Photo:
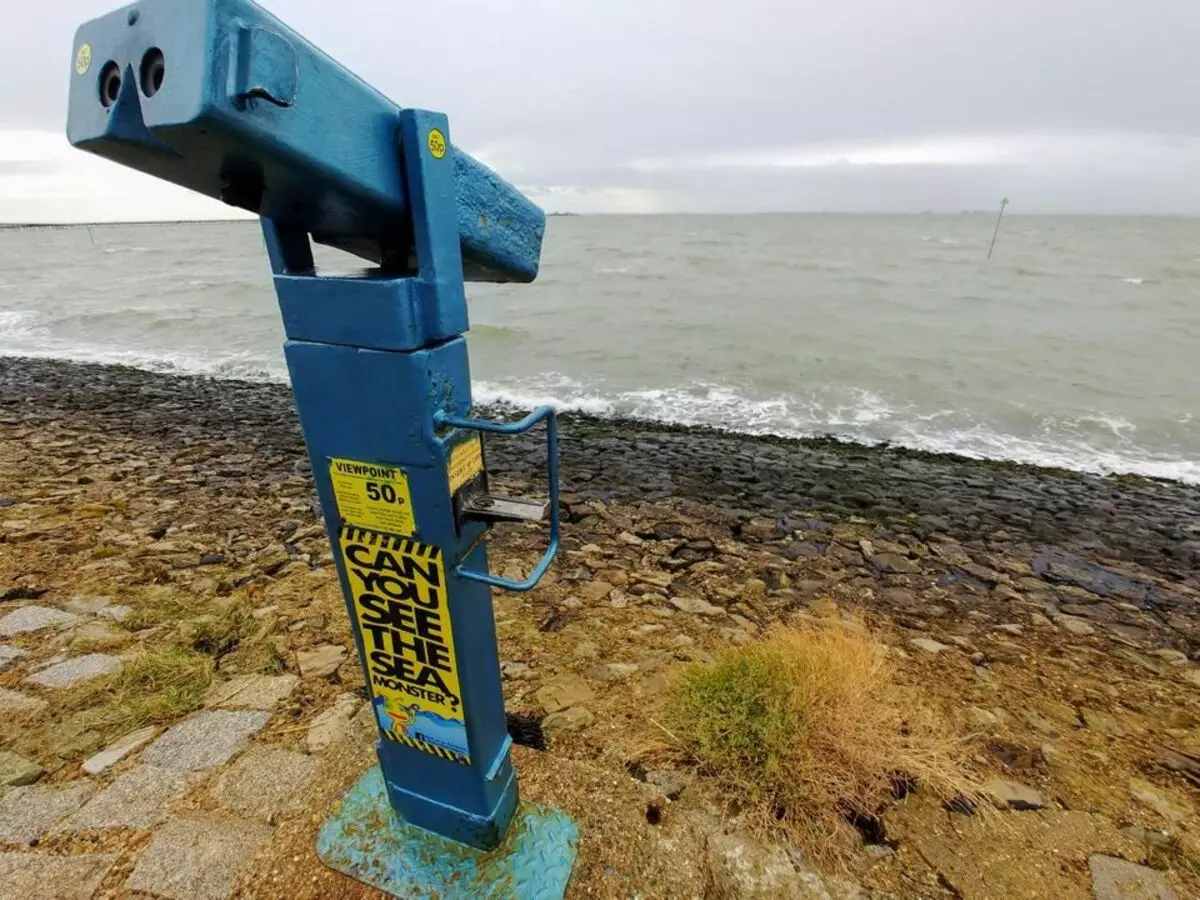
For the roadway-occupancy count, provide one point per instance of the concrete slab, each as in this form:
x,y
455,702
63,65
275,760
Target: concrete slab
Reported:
x,y
9,654
33,618
264,782
72,671
28,812
119,749
204,740
251,692
25,876
197,859
138,799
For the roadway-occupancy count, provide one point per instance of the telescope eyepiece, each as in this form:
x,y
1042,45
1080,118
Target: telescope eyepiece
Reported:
x,y
110,84
153,71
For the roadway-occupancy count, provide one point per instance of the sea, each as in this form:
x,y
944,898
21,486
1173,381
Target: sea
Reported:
x,y
1075,345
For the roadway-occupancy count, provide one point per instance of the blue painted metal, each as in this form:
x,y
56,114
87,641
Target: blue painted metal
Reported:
x,y
362,840
542,412
251,113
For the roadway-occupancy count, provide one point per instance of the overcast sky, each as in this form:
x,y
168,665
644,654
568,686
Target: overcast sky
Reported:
x,y
700,105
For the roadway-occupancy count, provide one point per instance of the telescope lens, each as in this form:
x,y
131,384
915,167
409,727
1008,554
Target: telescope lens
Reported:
x,y
110,84
154,70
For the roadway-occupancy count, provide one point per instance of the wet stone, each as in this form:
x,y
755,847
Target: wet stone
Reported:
x,y
196,859
27,812
204,740
264,782
119,749
138,799
24,876
72,671
33,618
251,692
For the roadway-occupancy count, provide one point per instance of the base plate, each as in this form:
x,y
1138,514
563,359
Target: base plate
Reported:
x,y
367,841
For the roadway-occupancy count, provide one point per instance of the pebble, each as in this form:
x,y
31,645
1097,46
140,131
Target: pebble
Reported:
x,y
1006,794
119,749
333,724
1076,626
669,781
563,692
929,645
595,591
572,719
320,662
696,606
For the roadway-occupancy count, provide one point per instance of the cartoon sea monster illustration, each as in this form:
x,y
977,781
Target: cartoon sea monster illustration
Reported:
x,y
393,718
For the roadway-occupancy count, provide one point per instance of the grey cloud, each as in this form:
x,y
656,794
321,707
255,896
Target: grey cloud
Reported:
x,y
572,93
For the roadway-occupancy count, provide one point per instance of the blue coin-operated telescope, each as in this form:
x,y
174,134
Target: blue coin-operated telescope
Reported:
x,y
221,97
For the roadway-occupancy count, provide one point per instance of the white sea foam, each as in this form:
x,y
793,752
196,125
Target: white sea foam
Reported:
x,y
860,416
17,325
1134,280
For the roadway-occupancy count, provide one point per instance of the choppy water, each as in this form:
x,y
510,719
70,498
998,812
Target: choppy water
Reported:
x,y
1075,346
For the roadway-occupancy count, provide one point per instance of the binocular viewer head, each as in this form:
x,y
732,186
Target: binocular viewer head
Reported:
x,y
221,97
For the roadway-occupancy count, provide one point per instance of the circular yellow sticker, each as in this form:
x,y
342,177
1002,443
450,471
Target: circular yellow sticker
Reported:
x,y
83,59
437,143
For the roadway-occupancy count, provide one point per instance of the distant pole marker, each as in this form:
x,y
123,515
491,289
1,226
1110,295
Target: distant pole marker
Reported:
x,y
996,231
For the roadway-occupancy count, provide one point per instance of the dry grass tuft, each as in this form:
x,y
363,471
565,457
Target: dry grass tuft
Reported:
x,y
808,731
155,687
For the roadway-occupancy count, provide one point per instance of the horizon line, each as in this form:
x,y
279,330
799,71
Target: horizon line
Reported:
x,y
9,226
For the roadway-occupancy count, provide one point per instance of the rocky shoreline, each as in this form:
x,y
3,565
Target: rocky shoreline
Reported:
x,y
1054,614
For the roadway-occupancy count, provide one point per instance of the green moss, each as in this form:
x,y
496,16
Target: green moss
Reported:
x,y
738,717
